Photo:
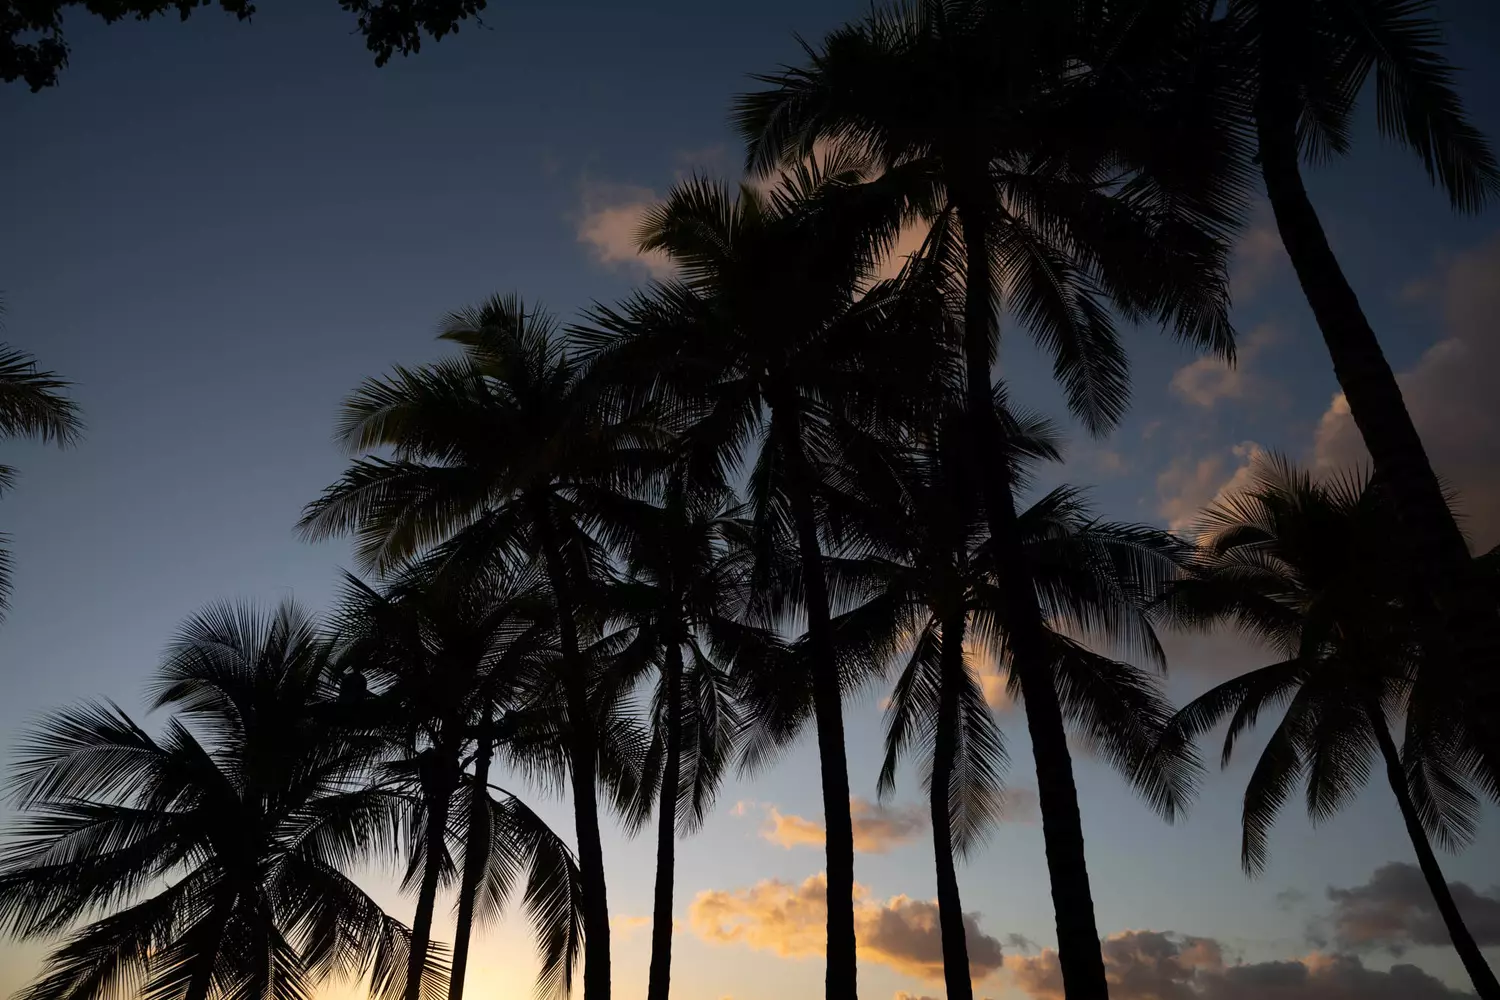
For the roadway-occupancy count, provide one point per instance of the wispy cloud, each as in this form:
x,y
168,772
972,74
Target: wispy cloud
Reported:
x,y
1187,484
1210,380
1257,257
877,828
610,224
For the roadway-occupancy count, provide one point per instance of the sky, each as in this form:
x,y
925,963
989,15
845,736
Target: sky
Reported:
x,y
217,229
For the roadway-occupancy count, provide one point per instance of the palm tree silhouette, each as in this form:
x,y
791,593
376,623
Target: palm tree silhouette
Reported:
x,y
1299,565
443,654
765,340
687,562
207,859
502,456
32,405
970,108
1301,69
914,541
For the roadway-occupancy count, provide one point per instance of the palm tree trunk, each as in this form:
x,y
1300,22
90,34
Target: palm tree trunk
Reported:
x,y
950,909
660,982
583,765
476,852
842,977
1360,366
1479,970
421,925
1078,951
203,975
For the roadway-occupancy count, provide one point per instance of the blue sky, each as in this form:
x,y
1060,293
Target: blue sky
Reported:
x,y
218,229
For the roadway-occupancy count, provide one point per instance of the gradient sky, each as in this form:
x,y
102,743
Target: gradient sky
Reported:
x,y
217,229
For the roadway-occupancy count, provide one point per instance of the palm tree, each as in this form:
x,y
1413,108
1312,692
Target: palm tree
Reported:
x,y
502,453
206,859
32,405
914,541
1308,569
442,654
686,564
971,108
765,340
1302,68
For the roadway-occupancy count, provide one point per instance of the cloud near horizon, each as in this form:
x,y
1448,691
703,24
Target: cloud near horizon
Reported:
x,y
877,828
1449,393
1395,911
1156,965
790,920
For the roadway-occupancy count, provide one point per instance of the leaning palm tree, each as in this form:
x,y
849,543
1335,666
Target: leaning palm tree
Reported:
x,y
772,339
914,541
33,405
502,454
442,656
1307,567
971,109
207,859
1301,71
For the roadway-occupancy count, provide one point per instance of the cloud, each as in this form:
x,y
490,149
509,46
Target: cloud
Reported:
x,y
625,925
1210,379
610,225
1450,395
903,995
1257,257
877,828
1152,965
1395,911
1186,486
790,831
1020,805
791,920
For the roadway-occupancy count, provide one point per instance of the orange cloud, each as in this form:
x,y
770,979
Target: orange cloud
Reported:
x,y
1210,379
877,828
791,921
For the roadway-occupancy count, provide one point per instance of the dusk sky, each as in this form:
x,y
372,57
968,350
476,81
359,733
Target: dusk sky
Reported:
x,y
217,229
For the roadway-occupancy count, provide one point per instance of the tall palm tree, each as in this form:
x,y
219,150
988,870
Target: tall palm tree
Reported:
x,y
443,655
32,404
502,452
1302,69
1308,568
971,107
765,341
914,541
686,561
207,859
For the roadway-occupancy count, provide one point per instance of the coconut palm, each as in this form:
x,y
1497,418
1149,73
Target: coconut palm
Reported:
x,y
1302,70
207,859
1301,566
765,345
443,655
686,561
501,452
914,541
33,405
971,108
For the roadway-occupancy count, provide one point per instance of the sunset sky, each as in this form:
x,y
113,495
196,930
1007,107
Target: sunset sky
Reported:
x,y
217,229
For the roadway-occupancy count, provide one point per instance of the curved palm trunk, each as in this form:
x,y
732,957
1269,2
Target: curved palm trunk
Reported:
x,y
1360,366
1078,951
421,924
476,852
583,768
1478,969
660,982
841,981
950,909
